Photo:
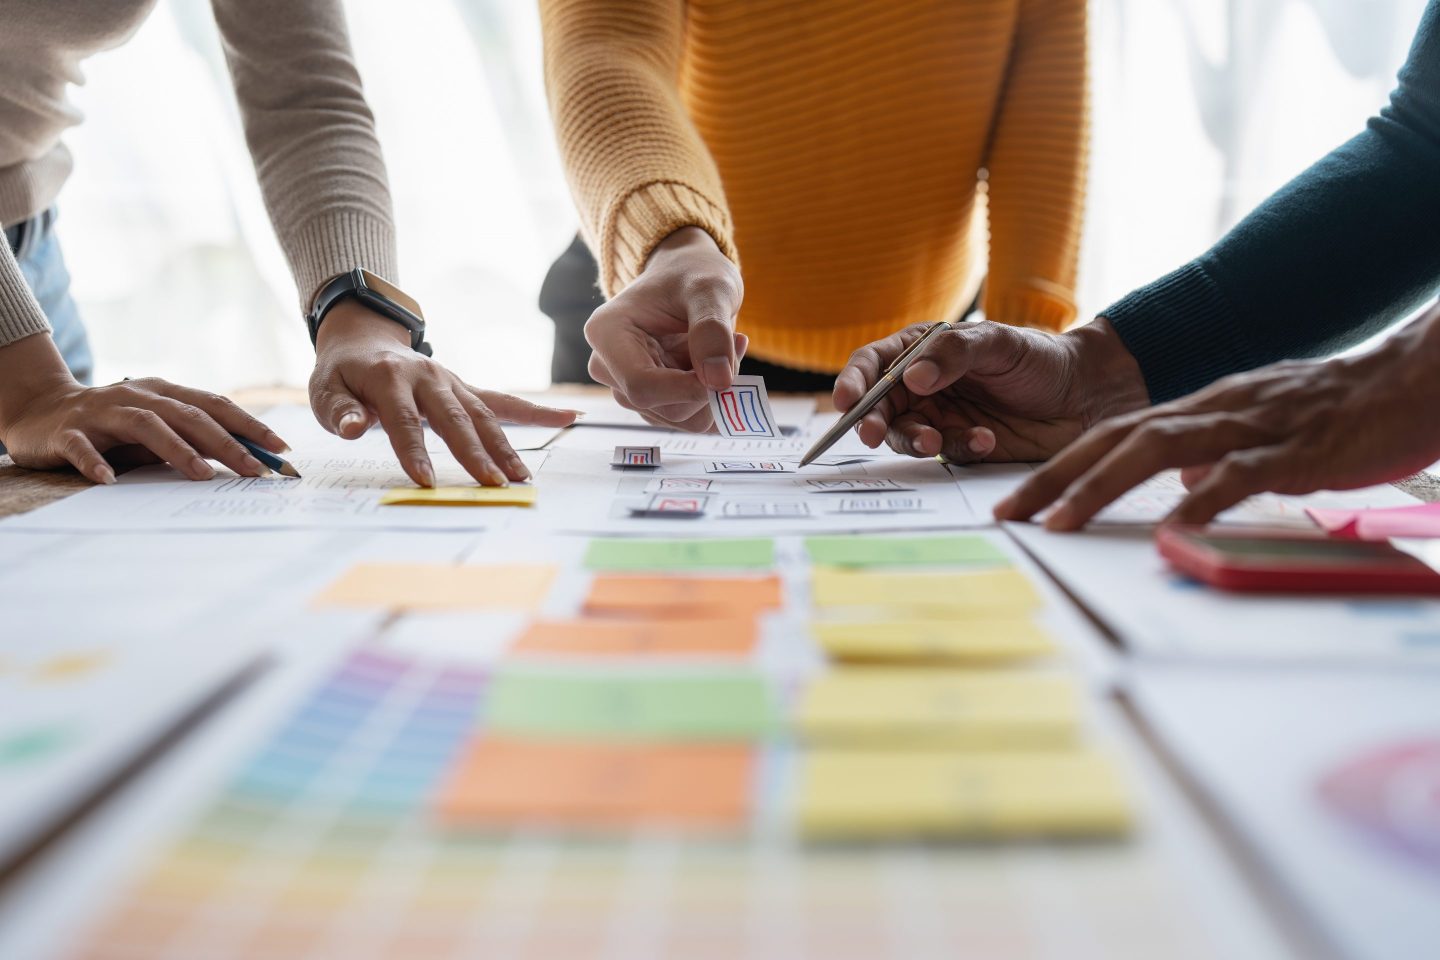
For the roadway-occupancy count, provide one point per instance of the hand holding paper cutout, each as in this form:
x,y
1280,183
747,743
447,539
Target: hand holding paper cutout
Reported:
x,y
664,342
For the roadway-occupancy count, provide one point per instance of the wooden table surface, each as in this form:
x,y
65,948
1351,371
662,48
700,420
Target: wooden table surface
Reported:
x,y
24,490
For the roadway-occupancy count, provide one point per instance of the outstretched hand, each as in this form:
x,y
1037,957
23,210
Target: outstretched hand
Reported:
x,y
1288,428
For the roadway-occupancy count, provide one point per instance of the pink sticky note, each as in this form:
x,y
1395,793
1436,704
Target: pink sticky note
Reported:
x,y
1421,520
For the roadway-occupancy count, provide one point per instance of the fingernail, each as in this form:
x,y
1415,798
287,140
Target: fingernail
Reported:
x,y
579,414
201,468
1003,507
349,420
256,467
1060,518
975,445
107,475
427,475
519,467
717,373
922,375
497,479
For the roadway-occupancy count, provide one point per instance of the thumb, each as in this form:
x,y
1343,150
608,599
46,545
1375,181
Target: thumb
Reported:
x,y
954,353
338,410
712,339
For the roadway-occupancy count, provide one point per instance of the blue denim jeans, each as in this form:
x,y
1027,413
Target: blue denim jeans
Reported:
x,y
43,267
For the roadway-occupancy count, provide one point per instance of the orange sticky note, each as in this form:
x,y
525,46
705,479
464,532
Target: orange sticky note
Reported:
x,y
505,782
731,636
433,586
682,596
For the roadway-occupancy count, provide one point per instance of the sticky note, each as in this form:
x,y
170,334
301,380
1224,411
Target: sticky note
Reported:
x,y
682,596
676,554
515,495
873,794
857,551
950,708
1419,520
425,586
713,705
968,640
958,594
588,784
730,636
743,410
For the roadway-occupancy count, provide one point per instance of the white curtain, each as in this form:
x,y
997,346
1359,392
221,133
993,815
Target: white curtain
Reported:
x,y
1201,108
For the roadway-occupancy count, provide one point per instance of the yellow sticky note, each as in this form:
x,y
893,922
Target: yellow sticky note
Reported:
x,y
934,640
896,706
960,594
513,496
886,794
433,586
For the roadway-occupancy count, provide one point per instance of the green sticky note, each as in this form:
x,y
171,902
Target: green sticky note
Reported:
x,y
867,551
30,746
627,554
699,706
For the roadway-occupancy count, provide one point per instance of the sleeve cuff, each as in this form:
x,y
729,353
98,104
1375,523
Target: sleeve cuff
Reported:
x,y
1182,331
649,214
336,243
1047,307
20,313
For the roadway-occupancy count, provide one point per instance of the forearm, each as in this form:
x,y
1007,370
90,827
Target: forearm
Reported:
x,y
29,367
1037,163
311,135
20,314
637,167
1344,250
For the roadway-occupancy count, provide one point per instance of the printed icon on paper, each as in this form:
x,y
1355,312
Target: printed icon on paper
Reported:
x,y
855,485
678,485
746,509
743,410
666,506
1391,794
749,466
879,505
635,457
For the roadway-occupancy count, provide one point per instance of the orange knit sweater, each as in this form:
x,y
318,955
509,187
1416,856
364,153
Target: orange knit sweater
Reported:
x,y
835,149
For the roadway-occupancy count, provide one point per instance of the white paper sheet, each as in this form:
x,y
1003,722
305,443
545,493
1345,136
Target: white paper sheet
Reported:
x,y
1157,614
1320,772
340,487
791,413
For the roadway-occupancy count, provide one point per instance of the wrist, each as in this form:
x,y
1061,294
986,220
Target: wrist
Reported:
x,y
1108,374
685,241
29,368
350,322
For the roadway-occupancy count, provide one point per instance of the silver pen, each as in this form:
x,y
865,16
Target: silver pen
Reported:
x,y
887,382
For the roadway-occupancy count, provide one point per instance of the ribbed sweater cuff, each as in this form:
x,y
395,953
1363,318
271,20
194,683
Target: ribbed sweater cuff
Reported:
x,y
338,242
637,223
1029,307
20,314
1183,332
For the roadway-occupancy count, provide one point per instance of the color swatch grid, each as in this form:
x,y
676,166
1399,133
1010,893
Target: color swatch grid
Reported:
x,y
417,806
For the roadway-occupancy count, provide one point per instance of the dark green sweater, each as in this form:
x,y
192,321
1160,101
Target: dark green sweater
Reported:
x,y
1342,251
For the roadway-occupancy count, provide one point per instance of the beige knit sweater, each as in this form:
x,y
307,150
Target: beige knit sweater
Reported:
x,y
310,132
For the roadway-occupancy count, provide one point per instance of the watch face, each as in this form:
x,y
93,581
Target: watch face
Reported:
x,y
392,293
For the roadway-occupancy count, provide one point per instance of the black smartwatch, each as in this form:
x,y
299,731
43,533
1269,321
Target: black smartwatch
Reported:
x,y
379,295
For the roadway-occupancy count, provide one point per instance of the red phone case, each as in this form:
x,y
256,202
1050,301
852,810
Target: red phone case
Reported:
x,y
1195,558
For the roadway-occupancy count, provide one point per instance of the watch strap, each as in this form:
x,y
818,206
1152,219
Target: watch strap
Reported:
x,y
352,284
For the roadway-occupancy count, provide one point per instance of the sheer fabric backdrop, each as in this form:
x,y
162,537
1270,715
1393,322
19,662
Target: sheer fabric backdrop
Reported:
x,y
1200,109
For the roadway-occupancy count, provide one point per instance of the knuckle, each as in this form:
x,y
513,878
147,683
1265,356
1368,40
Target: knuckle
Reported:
x,y
192,413
407,419
140,418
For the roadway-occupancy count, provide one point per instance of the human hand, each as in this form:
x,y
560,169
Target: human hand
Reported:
x,y
987,391
366,372
1288,428
669,338
47,420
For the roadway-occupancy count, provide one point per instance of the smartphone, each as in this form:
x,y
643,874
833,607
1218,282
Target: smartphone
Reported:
x,y
1259,563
